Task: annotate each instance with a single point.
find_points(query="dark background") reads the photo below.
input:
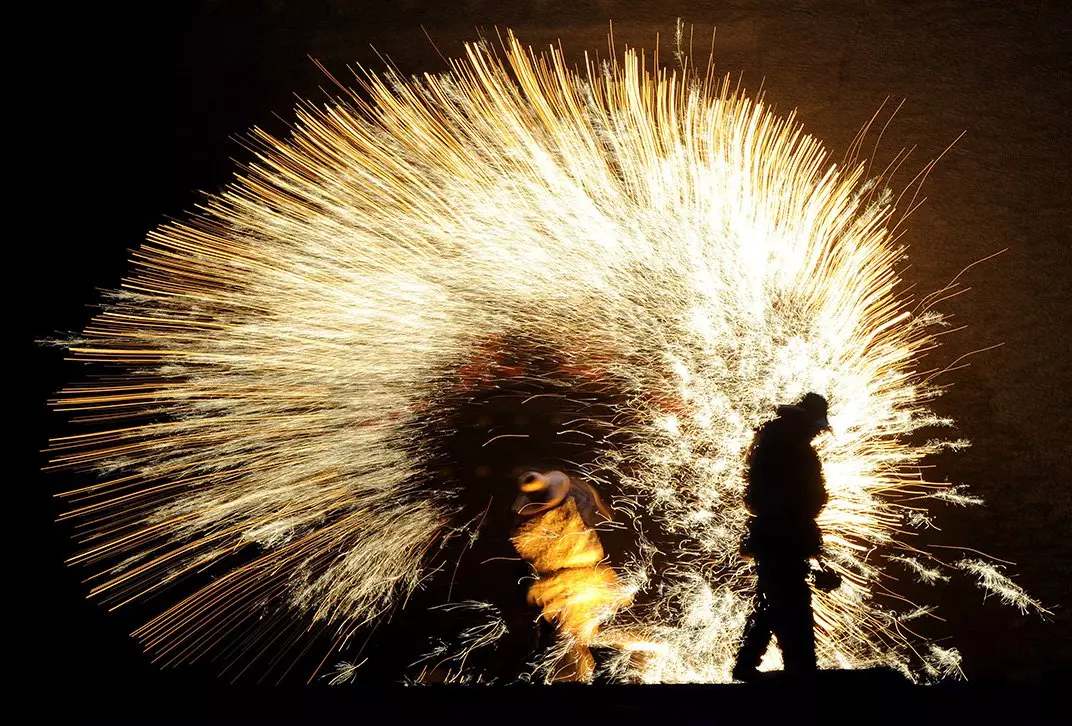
(145, 105)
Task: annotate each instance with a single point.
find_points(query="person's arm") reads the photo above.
(754, 476)
(815, 494)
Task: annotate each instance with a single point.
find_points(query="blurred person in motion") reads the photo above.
(574, 588)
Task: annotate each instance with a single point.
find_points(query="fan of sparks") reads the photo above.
(267, 366)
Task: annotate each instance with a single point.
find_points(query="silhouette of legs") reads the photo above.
(783, 608)
(756, 637)
(794, 625)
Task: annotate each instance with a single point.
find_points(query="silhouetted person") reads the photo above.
(785, 494)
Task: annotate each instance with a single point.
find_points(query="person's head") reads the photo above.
(810, 412)
(540, 492)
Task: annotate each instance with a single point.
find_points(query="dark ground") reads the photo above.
(145, 108)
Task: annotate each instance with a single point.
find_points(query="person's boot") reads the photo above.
(745, 673)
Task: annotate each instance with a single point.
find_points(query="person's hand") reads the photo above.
(826, 579)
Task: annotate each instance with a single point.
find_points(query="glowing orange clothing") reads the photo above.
(574, 588)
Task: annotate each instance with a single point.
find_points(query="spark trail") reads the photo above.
(270, 361)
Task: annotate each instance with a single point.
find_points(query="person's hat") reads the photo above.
(541, 492)
(534, 481)
(814, 407)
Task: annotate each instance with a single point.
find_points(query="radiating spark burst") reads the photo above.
(452, 655)
(990, 578)
(343, 672)
(929, 575)
(942, 662)
(270, 360)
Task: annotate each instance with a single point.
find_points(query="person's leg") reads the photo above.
(792, 619)
(756, 636)
(575, 665)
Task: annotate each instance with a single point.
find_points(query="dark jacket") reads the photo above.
(785, 491)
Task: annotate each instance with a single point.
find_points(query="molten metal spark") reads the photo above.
(271, 360)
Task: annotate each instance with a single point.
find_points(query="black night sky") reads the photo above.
(148, 105)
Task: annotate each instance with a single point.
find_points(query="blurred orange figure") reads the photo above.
(574, 588)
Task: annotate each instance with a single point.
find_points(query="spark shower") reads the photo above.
(263, 382)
